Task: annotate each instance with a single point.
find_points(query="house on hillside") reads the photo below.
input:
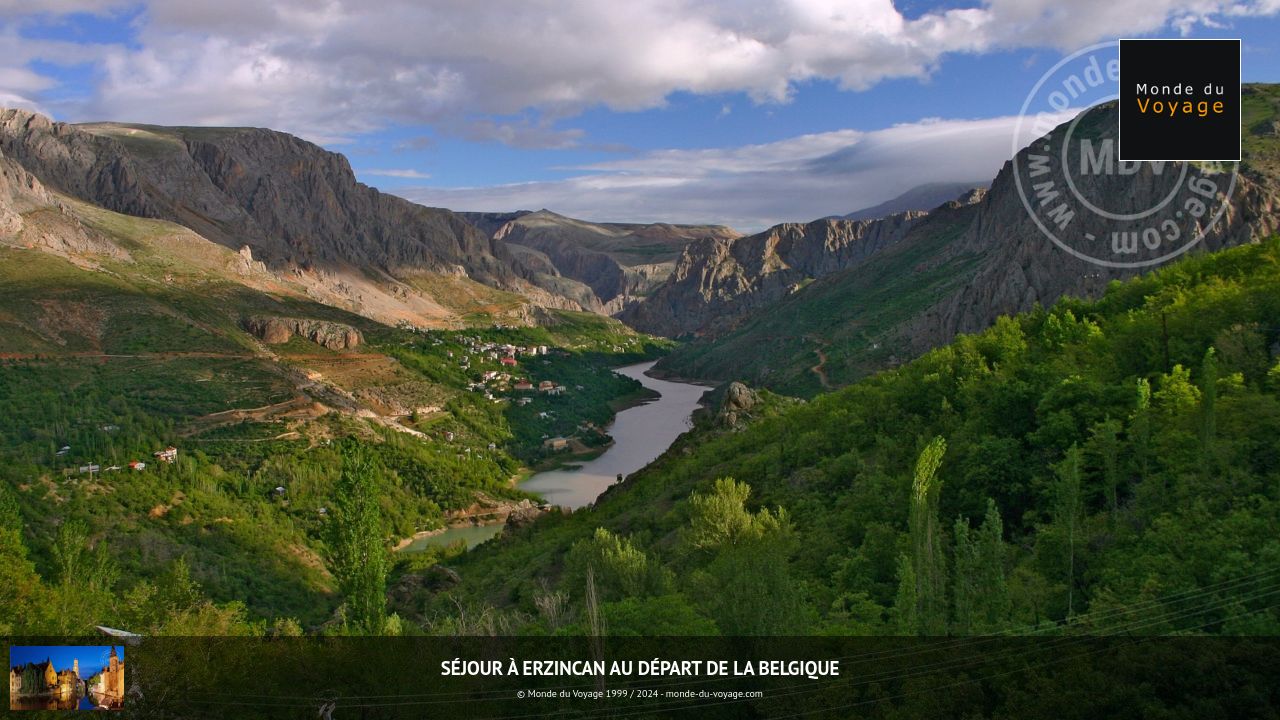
(136, 465)
(523, 385)
(168, 454)
(508, 361)
(556, 444)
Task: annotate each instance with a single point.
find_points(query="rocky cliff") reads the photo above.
(718, 281)
(277, 330)
(921, 197)
(33, 217)
(618, 262)
(293, 203)
(958, 269)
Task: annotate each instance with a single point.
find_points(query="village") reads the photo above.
(168, 455)
(501, 372)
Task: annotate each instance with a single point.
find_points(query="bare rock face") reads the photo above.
(522, 517)
(20, 192)
(32, 217)
(719, 281)
(739, 397)
(291, 202)
(277, 330)
(739, 400)
(1021, 268)
(618, 262)
(980, 257)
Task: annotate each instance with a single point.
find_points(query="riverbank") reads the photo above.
(640, 434)
(490, 512)
(647, 423)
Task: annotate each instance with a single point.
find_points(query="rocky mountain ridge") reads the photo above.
(618, 263)
(294, 206)
(959, 268)
(921, 197)
(718, 281)
(287, 199)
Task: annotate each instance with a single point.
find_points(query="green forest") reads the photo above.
(1106, 466)
(236, 535)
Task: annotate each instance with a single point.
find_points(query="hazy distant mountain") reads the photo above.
(954, 270)
(618, 262)
(921, 197)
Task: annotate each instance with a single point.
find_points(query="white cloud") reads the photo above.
(395, 173)
(754, 186)
(327, 69)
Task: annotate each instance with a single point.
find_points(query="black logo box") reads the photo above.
(1186, 67)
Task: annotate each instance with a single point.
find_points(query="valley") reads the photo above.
(248, 395)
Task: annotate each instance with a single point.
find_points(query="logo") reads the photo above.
(1100, 209)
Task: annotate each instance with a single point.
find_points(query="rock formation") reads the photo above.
(717, 281)
(277, 330)
(292, 202)
(951, 271)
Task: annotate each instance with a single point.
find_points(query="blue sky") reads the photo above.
(92, 657)
(674, 110)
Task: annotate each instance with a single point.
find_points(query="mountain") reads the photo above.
(617, 262)
(286, 203)
(921, 197)
(123, 335)
(718, 281)
(958, 270)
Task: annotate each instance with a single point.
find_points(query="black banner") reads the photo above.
(706, 678)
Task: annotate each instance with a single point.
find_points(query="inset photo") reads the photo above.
(66, 677)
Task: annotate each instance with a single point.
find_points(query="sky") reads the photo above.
(92, 657)
(745, 113)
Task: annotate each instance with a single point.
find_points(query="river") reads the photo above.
(640, 434)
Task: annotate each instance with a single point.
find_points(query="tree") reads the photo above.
(720, 517)
(928, 561)
(1140, 428)
(620, 568)
(1208, 398)
(357, 552)
(747, 588)
(1106, 443)
(981, 595)
(69, 549)
(905, 604)
(1068, 507)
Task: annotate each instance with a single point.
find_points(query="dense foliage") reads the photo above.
(1110, 464)
(245, 512)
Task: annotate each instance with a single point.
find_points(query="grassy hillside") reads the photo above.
(116, 356)
(1109, 465)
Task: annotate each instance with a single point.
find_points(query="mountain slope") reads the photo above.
(619, 262)
(296, 207)
(934, 284)
(717, 282)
